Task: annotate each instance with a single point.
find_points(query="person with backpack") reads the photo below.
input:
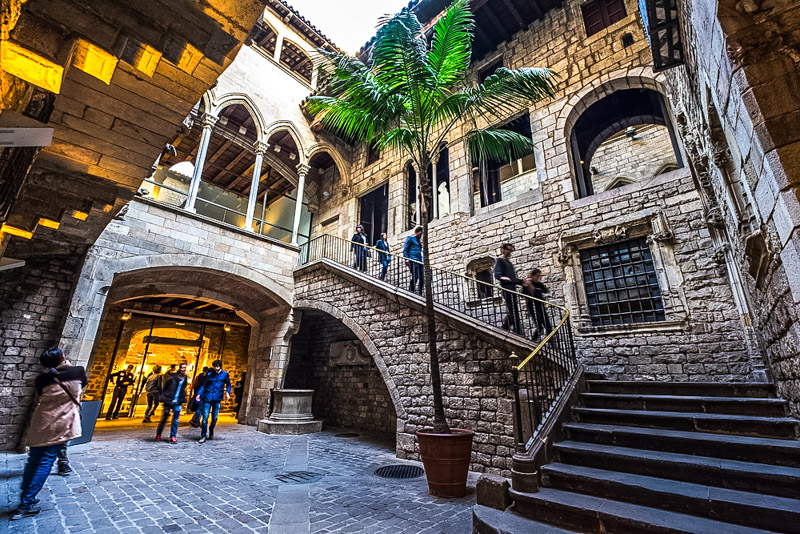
(152, 387)
(173, 396)
(56, 420)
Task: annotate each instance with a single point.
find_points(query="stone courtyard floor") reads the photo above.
(126, 482)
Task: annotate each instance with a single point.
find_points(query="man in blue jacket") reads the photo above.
(413, 251)
(217, 385)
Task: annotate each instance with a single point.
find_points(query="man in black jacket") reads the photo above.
(122, 380)
(504, 273)
(172, 397)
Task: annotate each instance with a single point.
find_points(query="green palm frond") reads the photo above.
(497, 145)
(451, 48)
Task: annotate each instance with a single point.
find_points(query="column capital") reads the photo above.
(302, 169)
(261, 147)
(209, 121)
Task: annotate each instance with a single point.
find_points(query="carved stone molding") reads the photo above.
(714, 218)
(719, 253)
(610, 235)
(344, 353)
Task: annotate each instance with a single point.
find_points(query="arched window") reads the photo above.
(264, 37)
(412, 203)
(296, 60)
(627, 133)
(442, 183)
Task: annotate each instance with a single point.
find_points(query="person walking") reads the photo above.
(537, 309)
(122, 381)
(383, 254)
(238, 391)
(198, 406)
(504, 273)
(359, 248)
(55, 421)
(169, 373)
(217, 385)
(412, 252)
(152, 387)
(172, 397)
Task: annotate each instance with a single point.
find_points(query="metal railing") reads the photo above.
(538, 381)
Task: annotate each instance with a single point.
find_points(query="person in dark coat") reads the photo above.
(383, 254)
(412, 252)
(173, 396)
(197, 406)
(359, 248)
(505, 274)
(152, 387)
(238, 391)
(122, 381)
(537, 309)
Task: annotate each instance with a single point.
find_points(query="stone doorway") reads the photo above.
(349, 391)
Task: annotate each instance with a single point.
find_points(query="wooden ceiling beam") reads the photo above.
(515, 13)
(496, 23)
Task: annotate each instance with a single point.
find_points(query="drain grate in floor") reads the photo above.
(345, 435)
(299, 477)
(399, 471)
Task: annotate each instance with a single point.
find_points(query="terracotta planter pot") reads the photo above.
(446, 460)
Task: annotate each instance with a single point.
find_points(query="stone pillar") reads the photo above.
(433, 179)
(302, 171)
(261, 149)
(208, 125)
(278, 48)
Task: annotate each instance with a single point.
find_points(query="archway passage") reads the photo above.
(150, 334)
(349, 391)
(623, 138)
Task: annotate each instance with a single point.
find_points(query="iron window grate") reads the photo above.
(621, 284)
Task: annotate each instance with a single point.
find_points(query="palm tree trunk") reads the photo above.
(440, 425)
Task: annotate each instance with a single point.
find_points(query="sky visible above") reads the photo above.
(348, 23)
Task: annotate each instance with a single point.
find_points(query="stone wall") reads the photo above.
(474, 361)
(351, 395)
(33, 301)
(703, 336)
(738, 99)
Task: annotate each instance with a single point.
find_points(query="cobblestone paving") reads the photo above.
(125, 482)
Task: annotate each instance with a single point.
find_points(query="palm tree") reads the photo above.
(410, 96)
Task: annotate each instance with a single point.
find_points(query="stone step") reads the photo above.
(763, 406)
(773, 427)
(706, 389)
(587, 513)
(490, 521)
(731, 474)
(730, 447)
(738, 507)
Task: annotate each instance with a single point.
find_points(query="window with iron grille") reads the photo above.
(621, 284)
(599, 14)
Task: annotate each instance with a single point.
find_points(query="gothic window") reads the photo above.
(485, 291)
(600, 14)
(621, 284)
(264, 37)
(373, 154)
(411, 196)
(443, 183)
(297, 60)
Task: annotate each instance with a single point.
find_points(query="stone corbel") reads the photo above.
(714, 218)
(719, 253)
(565, 252)
(661, 232)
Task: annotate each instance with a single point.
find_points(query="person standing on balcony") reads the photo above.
(383, 254)
(504, 273)
(217, 385)
(122, 381)
(412, 252)
(533, 287)
(359, 247)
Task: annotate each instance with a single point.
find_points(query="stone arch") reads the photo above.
(341, 164)
(232, 99)
(290, 127)
(598, 90)
(368, 344)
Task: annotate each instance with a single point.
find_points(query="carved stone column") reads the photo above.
(302, 171)
(208, 125)
(261, 149)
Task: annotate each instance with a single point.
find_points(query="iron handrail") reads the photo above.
(541, 379)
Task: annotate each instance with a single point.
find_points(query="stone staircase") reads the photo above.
(672, 457)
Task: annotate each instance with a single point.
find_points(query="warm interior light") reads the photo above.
(80, 215)
(227, 328)
(49, 223)
(190, 58)
(126, 316)
(146, 59)
(13, 230)
(31, 67)
(94, 61)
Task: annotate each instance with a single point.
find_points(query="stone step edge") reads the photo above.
(487, 520)
(685, 415)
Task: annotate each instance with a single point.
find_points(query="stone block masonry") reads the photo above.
(475, 366)
(33, 304)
